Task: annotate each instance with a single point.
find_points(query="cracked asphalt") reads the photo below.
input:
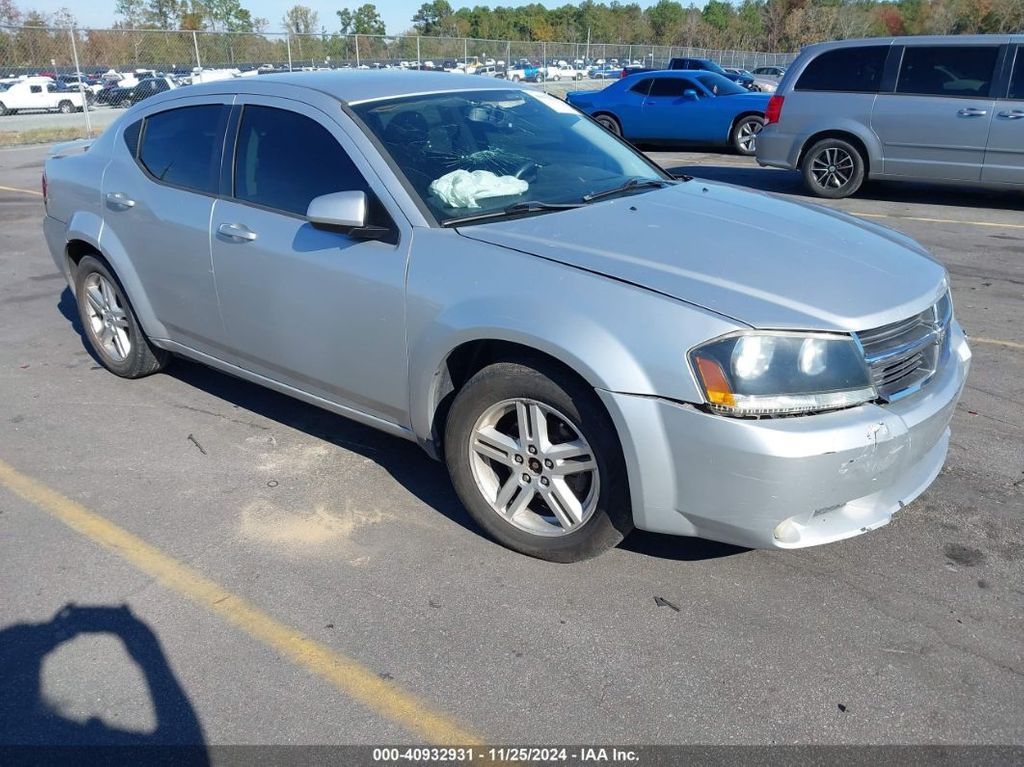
(911, 634)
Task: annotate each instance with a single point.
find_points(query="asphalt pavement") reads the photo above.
(244, 568)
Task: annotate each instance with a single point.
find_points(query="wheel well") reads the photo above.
(842, 135)
(464, 361)
(79, 249)
(739, 117)
(602, 113)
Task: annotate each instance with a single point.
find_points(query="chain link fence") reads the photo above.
(59, 53)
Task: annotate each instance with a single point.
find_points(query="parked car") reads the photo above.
(150, 87)
(604, 72)
(757, 383)
(561, 71)
(773, 72)
(486, 70)
(38, 94)
(523, 72)
(708, 65)
(678, 107)
(759, 84)
(939, 109)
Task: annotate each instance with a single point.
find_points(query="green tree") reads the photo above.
(301, 20)
(132, 13)
(666, 19)
(434, 18)
(367, 21)
(162, 14)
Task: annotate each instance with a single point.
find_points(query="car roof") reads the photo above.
(355, 86)
(920, 40)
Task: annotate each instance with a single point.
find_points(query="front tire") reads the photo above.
(535, 459)
(744, 134)
(65, 107)
(833, 168)
(110, 324)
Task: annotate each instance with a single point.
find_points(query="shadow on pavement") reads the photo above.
(27, 719)
(677, 548)
(791, 182)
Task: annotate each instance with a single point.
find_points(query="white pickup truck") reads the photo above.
(39, 94)
(562, 71)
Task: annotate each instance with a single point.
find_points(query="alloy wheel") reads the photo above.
(534, 467)
(832, 168)
(108, 320)
(746, 136)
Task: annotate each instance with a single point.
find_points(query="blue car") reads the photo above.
(678, 107)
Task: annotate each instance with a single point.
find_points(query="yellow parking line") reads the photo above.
(995, 342)
(351, 677)
(940, 220)
(18, 189)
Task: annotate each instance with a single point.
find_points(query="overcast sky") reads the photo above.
(397, 14)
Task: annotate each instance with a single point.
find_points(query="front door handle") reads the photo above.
(120, 200)
(1013, 114)
(972, 112)
(237, 232)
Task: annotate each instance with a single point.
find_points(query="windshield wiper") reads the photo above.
(629, 186)
(527, 206)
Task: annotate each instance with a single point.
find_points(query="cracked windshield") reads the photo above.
(478, 152)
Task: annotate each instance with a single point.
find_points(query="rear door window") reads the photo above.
(847, 70)
(182, 146)
(1017, 80)
(947, 70)
(285, 159)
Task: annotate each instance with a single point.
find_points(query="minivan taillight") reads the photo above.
(774, 110)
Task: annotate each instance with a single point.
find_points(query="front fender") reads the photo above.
(616, 336)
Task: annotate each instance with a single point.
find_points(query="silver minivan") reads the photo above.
(936, 109)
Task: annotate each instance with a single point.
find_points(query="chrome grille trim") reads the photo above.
(903, 356)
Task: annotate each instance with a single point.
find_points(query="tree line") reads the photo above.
(766, 25)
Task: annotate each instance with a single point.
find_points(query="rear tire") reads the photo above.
(110, 324)
(65, 107)
(569, 458)
(609, 123)
(833, 168)
(744, 134)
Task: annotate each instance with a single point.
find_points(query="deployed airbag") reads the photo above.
(462, 188)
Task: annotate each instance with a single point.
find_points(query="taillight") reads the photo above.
(774, 110)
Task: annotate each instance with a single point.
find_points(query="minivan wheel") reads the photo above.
(65, 107)
(536, 461)
(744, 134)
(833, 168)
(110, 323)
(610, 124)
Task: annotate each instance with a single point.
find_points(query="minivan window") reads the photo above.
(848, 70)
(1017, 81)
(948, 70)
(285, 159)
(182, 146)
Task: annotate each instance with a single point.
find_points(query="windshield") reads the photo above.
(719, 85)
(472, 152)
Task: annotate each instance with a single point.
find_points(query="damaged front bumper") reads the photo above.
(785, 482)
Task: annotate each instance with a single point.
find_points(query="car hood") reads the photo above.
(756, 258)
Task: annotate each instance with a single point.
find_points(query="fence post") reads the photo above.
(357, 51)
(195, 45)
(289, 40)
(81, 85)
(418, 62)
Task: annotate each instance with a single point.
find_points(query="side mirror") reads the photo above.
(345, 212)
(689, 95)
(338, 210)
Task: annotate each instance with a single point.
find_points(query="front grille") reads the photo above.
(904, 355)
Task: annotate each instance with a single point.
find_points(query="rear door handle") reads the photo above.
(1013, 114)
(237, 232)
(120, 200)
(971, 112)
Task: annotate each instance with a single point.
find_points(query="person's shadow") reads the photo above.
(28, 722)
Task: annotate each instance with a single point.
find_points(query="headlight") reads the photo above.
(758, 374)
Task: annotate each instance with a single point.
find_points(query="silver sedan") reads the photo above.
(589, 344)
